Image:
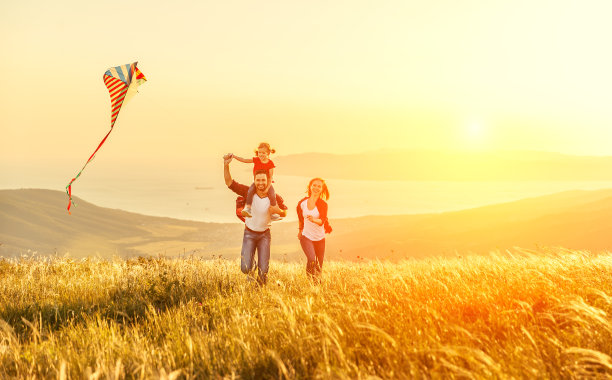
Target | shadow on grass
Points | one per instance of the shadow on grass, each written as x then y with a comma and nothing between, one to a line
160,290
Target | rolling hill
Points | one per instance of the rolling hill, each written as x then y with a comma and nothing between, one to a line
36,220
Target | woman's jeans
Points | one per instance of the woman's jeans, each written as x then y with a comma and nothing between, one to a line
259,241
314,251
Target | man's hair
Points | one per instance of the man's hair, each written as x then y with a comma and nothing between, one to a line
262,171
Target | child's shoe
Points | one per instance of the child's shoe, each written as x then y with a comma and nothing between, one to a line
276,217
246,212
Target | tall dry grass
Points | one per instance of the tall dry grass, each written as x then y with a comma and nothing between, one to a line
544,315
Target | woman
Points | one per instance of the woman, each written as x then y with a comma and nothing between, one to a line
312,215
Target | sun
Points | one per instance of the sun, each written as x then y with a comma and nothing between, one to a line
475,131
475,134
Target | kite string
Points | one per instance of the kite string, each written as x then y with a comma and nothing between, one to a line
69,186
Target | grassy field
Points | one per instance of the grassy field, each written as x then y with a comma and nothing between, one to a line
541,315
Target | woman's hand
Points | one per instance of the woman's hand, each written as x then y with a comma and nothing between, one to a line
318,222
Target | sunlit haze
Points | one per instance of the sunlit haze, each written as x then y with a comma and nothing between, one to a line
339,77
463,229
345,76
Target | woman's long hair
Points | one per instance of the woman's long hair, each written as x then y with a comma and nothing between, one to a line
324,191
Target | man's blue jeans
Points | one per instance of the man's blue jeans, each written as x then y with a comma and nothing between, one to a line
259,241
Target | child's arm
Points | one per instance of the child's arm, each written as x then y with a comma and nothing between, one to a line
245,160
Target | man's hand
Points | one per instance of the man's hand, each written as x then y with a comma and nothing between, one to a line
226,169
299,235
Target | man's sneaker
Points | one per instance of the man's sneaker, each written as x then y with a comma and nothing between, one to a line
246,212
275,217
283,213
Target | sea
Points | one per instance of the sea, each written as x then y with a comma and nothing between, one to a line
203,196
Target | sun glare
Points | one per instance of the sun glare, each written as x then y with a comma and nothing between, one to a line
475,134
475,131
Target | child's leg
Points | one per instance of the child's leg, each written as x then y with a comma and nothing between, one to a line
271,196
274,205
250,194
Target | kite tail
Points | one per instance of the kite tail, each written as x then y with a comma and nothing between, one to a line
69,192
69,186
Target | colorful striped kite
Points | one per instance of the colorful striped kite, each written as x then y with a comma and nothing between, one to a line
122,83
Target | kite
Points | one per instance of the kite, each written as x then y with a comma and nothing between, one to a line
122,83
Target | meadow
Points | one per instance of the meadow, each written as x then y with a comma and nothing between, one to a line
544,314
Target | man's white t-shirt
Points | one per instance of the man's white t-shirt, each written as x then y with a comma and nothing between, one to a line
260,220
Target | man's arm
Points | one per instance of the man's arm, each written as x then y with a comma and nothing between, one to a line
226,172
234,186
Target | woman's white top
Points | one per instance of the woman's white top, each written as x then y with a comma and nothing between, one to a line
311,230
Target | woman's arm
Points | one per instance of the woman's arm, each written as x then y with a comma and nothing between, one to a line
322,206
300,219
245,160
318,222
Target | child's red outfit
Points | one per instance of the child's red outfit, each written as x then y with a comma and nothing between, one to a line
258,165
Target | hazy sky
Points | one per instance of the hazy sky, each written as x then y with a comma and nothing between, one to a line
326,76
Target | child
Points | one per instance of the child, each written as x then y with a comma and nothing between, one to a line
261,162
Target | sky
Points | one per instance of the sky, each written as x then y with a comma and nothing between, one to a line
306,76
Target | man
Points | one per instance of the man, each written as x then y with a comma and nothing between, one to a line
257,228
242,191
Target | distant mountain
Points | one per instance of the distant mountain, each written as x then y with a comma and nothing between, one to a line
580,220
36,220
453,166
